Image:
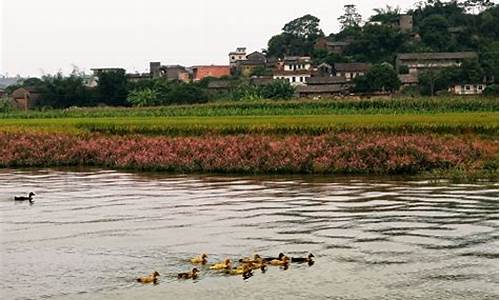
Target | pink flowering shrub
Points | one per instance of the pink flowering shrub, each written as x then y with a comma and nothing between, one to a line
380,153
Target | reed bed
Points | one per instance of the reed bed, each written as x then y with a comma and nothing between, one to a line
345,153
268,107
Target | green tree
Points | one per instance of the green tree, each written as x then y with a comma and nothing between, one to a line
112,87
351,17
381,77
278,89
297,38
386,15
59,91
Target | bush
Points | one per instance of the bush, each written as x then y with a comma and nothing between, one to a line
278,89
491,90
6,105
143,97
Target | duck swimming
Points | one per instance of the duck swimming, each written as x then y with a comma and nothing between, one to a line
22,198
223,265
202,259
280,257
149,279
188,275
308,259
280,262
244,270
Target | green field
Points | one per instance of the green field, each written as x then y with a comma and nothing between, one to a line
274,108
453,123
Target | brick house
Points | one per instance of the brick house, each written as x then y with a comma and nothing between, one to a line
25,97
200,72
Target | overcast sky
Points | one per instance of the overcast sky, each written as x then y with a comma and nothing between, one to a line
47,36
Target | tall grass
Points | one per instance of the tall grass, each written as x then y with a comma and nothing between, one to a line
268,107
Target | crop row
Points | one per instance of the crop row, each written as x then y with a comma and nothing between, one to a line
453,123
295,107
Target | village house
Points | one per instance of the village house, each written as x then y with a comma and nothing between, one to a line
408,80
175,72
417,62
336,47
250,63
294,69
324,86
236,56
350,70
467,89
25,98
200,72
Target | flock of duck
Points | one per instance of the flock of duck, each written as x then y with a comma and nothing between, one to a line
245,266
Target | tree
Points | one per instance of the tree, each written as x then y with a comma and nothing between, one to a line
386,15
306,27
351,17
434,30
278,89
59,91
381,77
297,38
112,87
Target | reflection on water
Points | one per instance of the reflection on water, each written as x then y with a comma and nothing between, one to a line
90,233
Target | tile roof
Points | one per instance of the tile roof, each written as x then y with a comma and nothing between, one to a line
437,55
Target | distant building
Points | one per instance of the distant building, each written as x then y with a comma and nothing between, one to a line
432,60
238,55
175,72
25,98
294,69
336,47
96,71
350,70
200,72
324,86
405,23
408,79
467,89
252,61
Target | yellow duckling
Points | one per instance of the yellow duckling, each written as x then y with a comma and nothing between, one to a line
240,270
280,262
258,265
256,258
221,266
188,275
202,259
149,279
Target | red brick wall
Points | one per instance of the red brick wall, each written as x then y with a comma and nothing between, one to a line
200,72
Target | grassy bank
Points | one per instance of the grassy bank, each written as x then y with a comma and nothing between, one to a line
272,108
448,123
345,153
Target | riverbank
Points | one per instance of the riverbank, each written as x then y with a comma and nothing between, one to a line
343,153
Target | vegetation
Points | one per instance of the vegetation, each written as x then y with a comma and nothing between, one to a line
449,123
345,153
403,105
381,77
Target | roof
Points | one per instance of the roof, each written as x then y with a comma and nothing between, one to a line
327,88
349,67
289,73
261,80
437,55
322,80
210,66
325,65
408,78
297,59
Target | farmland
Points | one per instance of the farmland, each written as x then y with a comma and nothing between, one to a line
406,136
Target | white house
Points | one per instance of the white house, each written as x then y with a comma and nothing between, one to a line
294,69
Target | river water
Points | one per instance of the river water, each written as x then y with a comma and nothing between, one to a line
90,233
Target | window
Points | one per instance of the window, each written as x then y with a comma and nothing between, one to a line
232,57
479,87
301,79
293,79
467,87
